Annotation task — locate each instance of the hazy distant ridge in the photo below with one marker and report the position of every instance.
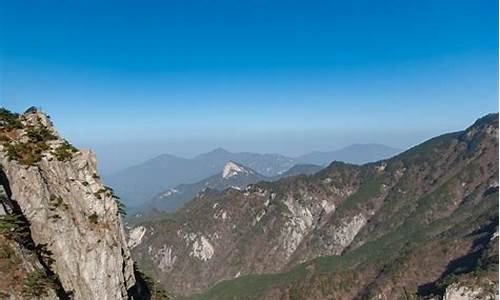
(356, 154)
(142, 182)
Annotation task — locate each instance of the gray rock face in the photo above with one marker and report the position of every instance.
(74, 216)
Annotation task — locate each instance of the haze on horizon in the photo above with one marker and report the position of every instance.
(132, 81)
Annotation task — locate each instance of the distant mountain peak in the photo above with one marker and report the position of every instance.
(232, 169)
(219, 150)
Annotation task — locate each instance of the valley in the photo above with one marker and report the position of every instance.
(348, 230)
(422, 224)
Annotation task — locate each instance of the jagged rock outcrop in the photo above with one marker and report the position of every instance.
(72, 215)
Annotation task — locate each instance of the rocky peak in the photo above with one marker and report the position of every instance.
(72, 216)
(232, 169)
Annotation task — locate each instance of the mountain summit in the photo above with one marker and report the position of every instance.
(233, 175)
(233, 169)
(139, 183)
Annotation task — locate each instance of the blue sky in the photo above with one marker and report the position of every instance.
(135, 79)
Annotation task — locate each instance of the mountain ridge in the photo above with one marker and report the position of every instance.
(354, 153)
(172, 199)
(141, 182)
(358, 217)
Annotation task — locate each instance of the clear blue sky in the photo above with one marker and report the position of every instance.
(133, 79)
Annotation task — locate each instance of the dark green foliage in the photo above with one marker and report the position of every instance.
(157, 293)
(426, 152)
(250, 286)
(94, 218)
(28, 154)
(110, 192)
(369, 190)
(16, 227)
(38, 282)
(12, 151)
(95, 176)
(107, 191)
(65, 151)
(9, 120)
(121, 206)
(39, 134)
(100, 192)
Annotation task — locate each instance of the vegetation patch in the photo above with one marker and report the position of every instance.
(40, 133)
(15, 227)
(94, 218)
(64, 152)
(28, 154)
(38, 282)
(57, 202)
(31, 152)
(107, 191)
(156, 292)
(121, 207)
(250, 286)
(9, 120)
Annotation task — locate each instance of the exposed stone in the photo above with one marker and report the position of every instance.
(458, 291)
(166, 258)
(202, 249)
(135, 236)
(345, 233)
(83, 230)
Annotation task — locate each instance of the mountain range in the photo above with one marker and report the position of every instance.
(420, 225)
(354, 154)
(140, 183)
(233, 175)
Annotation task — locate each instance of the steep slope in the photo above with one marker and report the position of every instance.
(372, 223)
(355, 154)
(57, 209)
(233, 175)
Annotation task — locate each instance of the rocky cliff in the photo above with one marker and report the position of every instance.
(72, 223)
(400, 227)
